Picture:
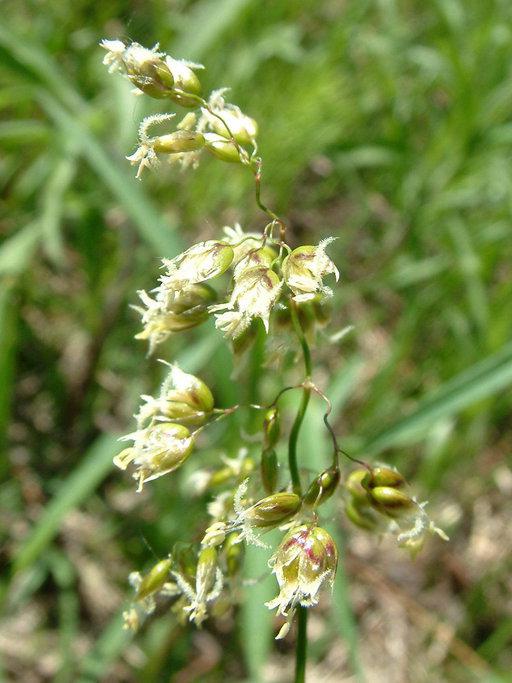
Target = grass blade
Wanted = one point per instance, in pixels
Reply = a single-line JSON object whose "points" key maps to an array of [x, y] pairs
{"points": [[478, 382], [205, 24], [53, 207], [256, 643], [17, 251], [106, 650], [123, 186], [342, 614], [8, 339], [86, 477], [40, 64]]}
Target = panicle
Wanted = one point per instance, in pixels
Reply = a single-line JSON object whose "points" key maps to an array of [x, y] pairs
{"points": [[203, 261], [187, 86], [242, 242], [224, 150], [183, 397], [146, 69], [179, 142], [322, 487], [154, 579], [267, 279], [147, 587]]}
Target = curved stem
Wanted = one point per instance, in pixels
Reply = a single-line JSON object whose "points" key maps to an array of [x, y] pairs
{"points": [[257, 180], [254, 163]]}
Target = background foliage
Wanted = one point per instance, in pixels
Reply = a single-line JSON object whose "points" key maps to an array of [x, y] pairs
{"points": [[385, 123]]}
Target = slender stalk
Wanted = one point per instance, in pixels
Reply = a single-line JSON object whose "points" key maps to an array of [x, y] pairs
{"points": [[256, 167], [292, 442], [306, 353], [300, 651], [302, 613], [306, 393]]}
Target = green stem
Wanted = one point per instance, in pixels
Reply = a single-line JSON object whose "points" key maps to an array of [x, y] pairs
{"points": [[256, 168], [306, 353], [301, 651], [306, 393], [292, 442], [302, 614]]}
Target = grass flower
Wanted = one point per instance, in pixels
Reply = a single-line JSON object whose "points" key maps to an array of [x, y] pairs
{"points": [[156, 450], [305, 268], [305, 561]]}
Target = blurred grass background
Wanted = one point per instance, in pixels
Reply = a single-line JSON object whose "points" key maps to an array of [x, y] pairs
{"points": [[387, 124]]}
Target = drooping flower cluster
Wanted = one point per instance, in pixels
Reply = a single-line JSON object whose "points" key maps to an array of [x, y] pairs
{"points": [[260, 282], [376, 502], [163, 440], [305, 561], [219, 127]]}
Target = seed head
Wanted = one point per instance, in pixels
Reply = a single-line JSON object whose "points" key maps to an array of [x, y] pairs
{"points": [[267, 513], [272, 510], [271, 427], [356, 485], [253, 296], [219, 147], [305, 561], [385, 476], [187, 85], [207, 588], [391, 501], [234, 122], [203, 261], [154, 580], [156, 450], [322, 488], [361, 515], [166, 315], [305, 268]]}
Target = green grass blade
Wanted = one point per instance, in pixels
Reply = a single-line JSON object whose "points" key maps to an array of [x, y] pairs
{"points": [[40, 64], [21, 133], [123, 186], [107, 648], [257, 642], [342, 613], [8, 339], [499, 639], [53, 207], [204, 25], [17, 251], [478, 382], [86, 477]]}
